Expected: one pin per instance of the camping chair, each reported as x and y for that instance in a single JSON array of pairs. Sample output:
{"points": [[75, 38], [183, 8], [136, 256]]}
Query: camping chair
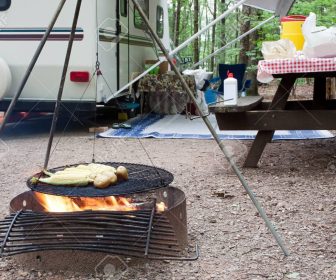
{"points": [[238, 71]]}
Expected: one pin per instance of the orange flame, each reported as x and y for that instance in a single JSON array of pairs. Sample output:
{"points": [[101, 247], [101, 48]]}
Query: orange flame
{"points": [[161, 207], [61, 204]]}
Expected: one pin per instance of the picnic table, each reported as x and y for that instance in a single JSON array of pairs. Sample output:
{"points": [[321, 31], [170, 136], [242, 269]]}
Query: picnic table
{"points": [[282, 114]]}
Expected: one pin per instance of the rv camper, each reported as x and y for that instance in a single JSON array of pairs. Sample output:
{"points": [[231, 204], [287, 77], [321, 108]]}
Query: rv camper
{"points": [[111, 39]]}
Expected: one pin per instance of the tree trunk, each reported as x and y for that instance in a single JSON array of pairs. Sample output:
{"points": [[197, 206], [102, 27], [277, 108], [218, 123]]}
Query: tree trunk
{"points": [[238, 15], [172, 21], [254, 38], [177, 23], [205, 45], [245, 42], [213, 39], [196, 25], [222, 40]]}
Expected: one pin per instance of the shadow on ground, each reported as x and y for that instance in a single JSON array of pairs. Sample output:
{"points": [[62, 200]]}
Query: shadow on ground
{"points": [[39, 125]]}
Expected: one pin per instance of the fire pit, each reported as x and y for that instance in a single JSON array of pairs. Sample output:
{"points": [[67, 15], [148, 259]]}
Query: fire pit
{"points": [[112, 220], [139, 230], [151, 224]]}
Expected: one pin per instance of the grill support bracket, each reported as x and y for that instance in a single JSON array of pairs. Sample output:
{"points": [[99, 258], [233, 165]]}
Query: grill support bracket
{"points": [[150, 226]]}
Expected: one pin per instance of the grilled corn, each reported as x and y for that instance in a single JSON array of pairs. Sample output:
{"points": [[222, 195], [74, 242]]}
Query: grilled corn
{"points": [[82, 175], [65, 179]]}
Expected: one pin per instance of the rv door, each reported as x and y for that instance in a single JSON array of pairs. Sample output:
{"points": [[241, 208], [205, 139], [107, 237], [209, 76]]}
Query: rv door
{"points": [[108, 48], [134, 42]]}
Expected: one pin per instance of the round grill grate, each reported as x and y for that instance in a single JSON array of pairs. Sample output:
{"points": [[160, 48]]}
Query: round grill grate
{"points": [[142, 178]]}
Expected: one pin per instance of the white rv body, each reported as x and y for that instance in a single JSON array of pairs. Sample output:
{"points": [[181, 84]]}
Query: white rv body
{"points": [[120, 53]]}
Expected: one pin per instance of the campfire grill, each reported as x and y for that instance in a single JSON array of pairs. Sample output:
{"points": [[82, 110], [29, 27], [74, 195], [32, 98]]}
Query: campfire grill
{"points": [[141, 233], [142, 178], [144, 233], [137, 233]]}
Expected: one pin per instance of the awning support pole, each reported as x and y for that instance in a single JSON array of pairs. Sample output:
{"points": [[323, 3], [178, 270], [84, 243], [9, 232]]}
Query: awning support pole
{"points": [[233, 41], [213, 132], [61, 88], [31, 66], [181, 47]]}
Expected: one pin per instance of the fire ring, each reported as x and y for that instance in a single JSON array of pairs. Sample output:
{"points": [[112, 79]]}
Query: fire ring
{"points": [[143, 233]]}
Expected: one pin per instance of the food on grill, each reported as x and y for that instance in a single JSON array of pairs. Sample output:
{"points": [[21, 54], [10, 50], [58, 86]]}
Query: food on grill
{"points": [[122, 173], [100, 167], [102, 176], [105, 179], [65, 179], [102, 181], [112, 177]]}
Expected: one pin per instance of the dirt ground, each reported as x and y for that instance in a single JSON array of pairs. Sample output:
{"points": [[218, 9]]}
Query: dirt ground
{"points": [[295, 184]]}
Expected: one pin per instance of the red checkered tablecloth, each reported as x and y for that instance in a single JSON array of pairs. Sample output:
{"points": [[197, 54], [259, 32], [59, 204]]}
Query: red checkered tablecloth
{"points": [[267, 68]]}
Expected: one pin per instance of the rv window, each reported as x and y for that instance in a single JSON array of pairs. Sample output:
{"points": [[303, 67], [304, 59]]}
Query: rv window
{"points": [[123, 8], [159, 21], [138, 21], [5, 4]]}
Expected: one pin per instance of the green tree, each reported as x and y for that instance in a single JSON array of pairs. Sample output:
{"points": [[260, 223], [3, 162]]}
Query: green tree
{"points": [[248, 50]]}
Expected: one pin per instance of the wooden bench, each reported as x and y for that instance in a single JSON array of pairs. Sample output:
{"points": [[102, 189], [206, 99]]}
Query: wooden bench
{"points": [[244, 104]]}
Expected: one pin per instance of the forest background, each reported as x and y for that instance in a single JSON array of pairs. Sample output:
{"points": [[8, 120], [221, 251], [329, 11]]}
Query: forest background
{"points": [[189, 16]]}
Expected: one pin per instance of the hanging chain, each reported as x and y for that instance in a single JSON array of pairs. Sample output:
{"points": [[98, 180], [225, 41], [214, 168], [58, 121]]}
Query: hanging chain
{"points": [[98, 73]]}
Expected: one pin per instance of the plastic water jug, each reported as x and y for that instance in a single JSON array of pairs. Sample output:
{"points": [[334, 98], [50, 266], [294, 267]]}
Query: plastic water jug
{"points": [[230, 90], [291, 28]]}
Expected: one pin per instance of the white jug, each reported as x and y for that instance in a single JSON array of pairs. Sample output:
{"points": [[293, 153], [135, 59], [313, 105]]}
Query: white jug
{"points": [[230, 90]]}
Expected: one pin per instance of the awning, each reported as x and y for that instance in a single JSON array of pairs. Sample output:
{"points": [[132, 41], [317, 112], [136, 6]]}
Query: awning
{"points": [[279, 7]]}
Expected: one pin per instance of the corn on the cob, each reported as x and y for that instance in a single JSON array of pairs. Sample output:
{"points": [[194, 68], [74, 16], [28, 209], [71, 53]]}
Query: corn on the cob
{"points": [[48, 173], [101, 167], [66, 179], [75, 172], [80, 175]]}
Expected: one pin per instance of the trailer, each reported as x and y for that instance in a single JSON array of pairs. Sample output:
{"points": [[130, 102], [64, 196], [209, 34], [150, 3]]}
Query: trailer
{"points": [[111, 42]]}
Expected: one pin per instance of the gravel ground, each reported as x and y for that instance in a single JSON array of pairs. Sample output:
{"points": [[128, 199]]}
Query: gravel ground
{"points": [[295, 183]]}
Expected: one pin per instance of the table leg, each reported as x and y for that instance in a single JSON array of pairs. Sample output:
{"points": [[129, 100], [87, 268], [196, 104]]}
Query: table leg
{"points": [[258, 146], [265, 136], [320, 90]]}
